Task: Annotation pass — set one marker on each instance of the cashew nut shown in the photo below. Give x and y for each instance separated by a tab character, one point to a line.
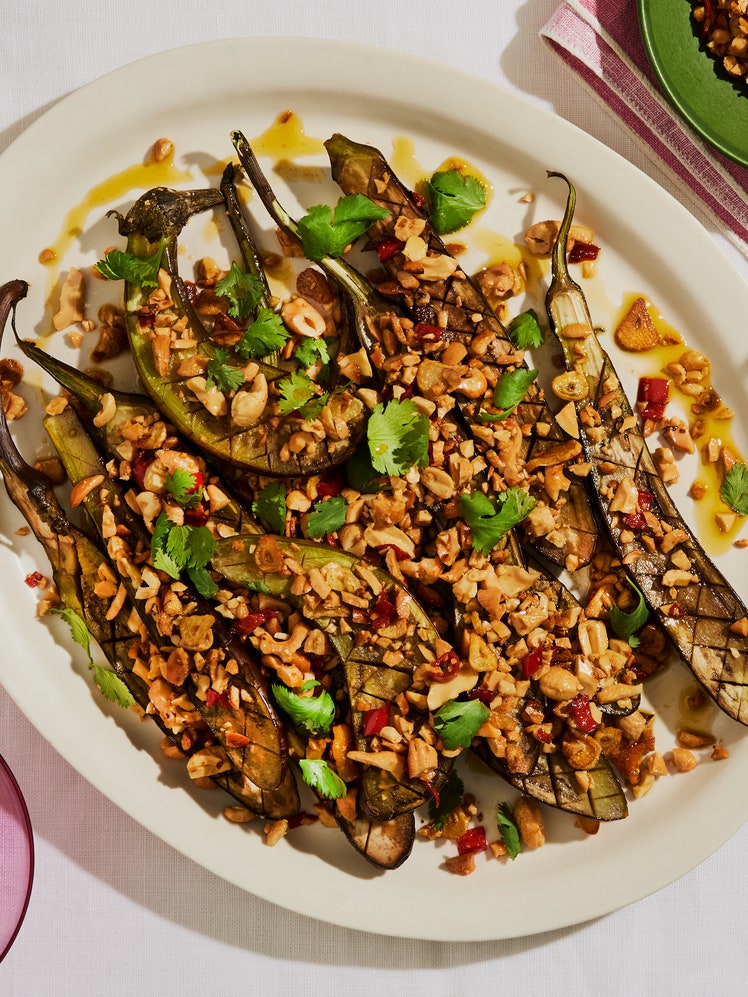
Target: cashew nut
303	318
249	404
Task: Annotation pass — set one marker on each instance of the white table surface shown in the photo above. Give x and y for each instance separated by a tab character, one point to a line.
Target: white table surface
114	910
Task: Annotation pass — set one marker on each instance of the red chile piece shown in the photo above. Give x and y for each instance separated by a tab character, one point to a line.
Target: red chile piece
400	554
653	393
483	694
531	662
198	516
331	486
139	466
375	720
636	520
418	199
213	698
252	621
582	715
34	579
444	668
383	613
428	333
581	252
472	841
388	248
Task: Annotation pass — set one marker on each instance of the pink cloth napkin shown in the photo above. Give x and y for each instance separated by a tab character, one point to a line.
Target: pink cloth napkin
600	40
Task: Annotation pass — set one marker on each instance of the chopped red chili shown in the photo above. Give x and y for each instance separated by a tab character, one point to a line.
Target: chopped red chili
249	623
383	612
213	698
400	554
483	694
653	393
376	719
34	579
331	486
388	248
236	740
636	520
418	199
472	841
198	516
531	662
139	466
444	668
428	333
582	714
676	611
541	733
581	252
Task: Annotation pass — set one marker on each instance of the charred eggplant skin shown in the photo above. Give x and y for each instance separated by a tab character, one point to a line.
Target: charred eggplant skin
706	606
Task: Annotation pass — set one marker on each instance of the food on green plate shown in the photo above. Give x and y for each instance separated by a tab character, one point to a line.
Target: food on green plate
723	28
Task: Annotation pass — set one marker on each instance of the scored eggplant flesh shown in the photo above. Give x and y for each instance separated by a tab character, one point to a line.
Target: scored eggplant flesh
697	607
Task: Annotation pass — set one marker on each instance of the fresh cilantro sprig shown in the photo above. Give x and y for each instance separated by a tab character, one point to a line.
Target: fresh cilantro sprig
270	506
626	625
311	715
110	684
449	798
454	197
398	436
508	830
183	487
326	517
734	489
318	774
458	722
266	334
225	377
142	270
244	291
311	351
298	393
361	474
510	389
525	332
175	549
489	524
326	231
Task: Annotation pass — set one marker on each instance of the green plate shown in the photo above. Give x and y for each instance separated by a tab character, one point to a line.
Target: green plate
693	81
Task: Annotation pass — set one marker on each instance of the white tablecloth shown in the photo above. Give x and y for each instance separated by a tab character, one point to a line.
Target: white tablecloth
114	910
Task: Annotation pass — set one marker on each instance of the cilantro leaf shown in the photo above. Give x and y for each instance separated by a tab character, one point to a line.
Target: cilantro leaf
318	774
508	830
112	687
398	436
183	487
361	474
244	291
162	559
310	351
449	798
266	334
488	524
109	683
298	394
326	517
176	548
734	489
142	270
310	714
524	330
454	197
270	506
510	389
225	377
457	722
202	582
325	231
625	625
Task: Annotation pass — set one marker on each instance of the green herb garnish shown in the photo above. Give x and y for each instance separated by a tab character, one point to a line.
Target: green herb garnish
327	231
398	436
734	489
311	351
626	625
508	830
244	291
524	330
311	715
142	270
175	549
454	197
489	524
510	389
326	517
458	722
265	335
109	683
225	377
318	774
270	506
298	393
183	488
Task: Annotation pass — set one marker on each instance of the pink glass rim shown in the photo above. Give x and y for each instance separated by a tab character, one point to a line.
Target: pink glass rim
6	772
